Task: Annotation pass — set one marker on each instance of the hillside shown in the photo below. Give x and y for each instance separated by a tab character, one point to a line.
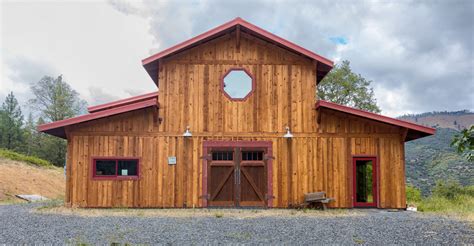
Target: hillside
454	120
432	158
20	178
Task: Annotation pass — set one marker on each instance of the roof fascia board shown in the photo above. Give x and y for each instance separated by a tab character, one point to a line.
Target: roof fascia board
122	102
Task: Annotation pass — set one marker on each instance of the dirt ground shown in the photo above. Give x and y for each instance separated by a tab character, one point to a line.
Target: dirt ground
20	178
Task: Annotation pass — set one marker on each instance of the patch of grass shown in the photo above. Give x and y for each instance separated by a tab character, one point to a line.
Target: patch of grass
448	198
413	194
462	204
357	240
8	154
78	241
240	235
10	200
54	203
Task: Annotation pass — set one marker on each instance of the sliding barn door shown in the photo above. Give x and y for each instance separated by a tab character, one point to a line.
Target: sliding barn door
237	177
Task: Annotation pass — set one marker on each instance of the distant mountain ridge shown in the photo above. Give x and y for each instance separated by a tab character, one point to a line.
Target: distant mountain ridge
432	158
456	120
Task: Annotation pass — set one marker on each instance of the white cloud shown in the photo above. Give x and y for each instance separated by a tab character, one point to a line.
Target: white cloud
419	55
94	46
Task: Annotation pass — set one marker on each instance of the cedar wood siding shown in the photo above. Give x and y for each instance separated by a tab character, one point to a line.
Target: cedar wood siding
318	158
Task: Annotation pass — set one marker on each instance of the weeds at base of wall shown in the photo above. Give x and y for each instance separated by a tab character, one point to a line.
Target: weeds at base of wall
50	204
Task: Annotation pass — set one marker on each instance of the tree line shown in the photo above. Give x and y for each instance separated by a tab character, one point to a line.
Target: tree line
434	113
52	99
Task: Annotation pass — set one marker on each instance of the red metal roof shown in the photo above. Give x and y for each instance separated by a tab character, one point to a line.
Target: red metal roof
105	110
414	130
122	102
151	63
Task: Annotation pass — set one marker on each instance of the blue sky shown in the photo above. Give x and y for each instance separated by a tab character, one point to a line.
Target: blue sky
339	40
419	54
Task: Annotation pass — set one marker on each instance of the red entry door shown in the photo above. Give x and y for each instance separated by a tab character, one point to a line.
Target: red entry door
365	181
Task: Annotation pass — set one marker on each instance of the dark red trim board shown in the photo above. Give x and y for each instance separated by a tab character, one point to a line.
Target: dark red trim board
207	145
116	176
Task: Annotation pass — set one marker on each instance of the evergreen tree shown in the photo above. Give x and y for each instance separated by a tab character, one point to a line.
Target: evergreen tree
30	136
11	122
344	87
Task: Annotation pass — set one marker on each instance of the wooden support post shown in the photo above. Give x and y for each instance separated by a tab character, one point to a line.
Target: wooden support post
404	134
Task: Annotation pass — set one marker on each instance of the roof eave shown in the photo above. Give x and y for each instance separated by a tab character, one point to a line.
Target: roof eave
122	102
415	131
57	128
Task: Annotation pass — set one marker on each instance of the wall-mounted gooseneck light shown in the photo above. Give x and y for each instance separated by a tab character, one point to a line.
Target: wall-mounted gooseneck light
288	133
187	133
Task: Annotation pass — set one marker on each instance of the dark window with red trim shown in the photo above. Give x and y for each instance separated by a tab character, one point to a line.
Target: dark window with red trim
115	168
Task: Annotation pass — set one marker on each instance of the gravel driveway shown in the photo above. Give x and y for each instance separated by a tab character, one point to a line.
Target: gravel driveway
21	223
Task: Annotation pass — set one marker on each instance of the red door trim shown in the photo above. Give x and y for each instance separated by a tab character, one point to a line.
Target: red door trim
268	145
374	179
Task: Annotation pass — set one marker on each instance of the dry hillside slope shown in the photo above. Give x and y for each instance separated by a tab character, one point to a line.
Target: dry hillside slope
456	120
20	178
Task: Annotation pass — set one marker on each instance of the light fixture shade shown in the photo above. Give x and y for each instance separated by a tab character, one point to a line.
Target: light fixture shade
288	133
187	133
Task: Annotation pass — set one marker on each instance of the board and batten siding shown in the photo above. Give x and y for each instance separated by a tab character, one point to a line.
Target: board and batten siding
318	158
319	161
190	89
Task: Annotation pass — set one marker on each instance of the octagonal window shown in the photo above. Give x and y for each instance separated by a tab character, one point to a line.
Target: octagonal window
238	84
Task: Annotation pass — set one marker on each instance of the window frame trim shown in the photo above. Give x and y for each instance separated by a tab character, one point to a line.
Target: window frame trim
94	160
245	70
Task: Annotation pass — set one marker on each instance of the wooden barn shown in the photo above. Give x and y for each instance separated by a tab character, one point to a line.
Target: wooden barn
236	122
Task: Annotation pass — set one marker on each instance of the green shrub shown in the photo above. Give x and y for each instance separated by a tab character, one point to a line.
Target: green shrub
448	197
451	189
8	154
413	194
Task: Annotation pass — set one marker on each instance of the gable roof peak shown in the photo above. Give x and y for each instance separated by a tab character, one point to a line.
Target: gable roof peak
151	63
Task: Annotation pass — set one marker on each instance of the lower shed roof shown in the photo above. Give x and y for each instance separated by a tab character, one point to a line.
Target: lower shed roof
57	128
414	130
